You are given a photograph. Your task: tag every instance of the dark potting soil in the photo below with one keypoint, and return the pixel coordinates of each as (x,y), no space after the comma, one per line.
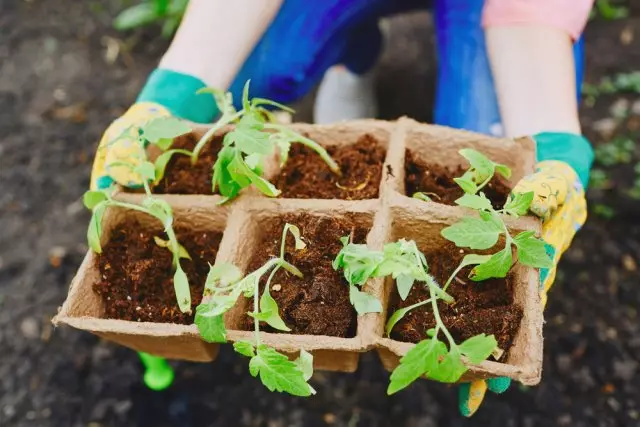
(306,175)
(318,303)
(437,182)
(480,307)
(137,274)
(181,177)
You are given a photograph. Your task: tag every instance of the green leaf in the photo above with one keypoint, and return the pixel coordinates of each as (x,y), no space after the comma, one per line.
(256,102)
(421,196)
(503,170)
(94,231)
(497,266)
(222,274)
(278,373)
(222,178)
(531,251)
(164,143)
(269,305)
(483,168)
(182,252)
(92,198)
(211,328)
(295,232)
(518,203)
(245,348)
(245,96)
(135,16)
(404,283)
(146,170)
(358,262)
(420,360)
(305,364)
(473,201)
(478,348)
(181,286)
(474,233)
(162,161)
(239,169)
(163,128)
(450,368)
(248,136)
(466,183)
(395,318)
(363,302)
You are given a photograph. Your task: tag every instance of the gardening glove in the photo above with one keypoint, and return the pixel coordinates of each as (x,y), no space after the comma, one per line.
(559,183)
(166,93)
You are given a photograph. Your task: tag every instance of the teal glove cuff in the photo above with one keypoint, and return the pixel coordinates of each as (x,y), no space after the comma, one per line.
(575,150)
(177,92)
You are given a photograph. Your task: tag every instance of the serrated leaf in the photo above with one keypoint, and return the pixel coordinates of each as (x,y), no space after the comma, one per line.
(531,251)
(163,128)
(269,305)
(211,328)
(305,364)
(450,368)
(181,287)
(420,360)
(474,233)
(249,139)
(92,198)
(478,348)
(518,203)
(357,261)
(474,201)
(404,283)
(497,266)
(363,302)
(295,232)
(94,231)
(245,348)
(278,373)
(182,252)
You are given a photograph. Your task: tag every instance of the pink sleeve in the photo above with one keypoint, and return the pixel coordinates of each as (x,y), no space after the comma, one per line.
(568,15)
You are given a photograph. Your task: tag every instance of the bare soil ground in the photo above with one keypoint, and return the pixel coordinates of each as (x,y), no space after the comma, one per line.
(65,74)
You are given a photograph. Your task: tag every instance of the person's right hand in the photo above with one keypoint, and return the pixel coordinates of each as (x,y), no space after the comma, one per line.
(119,144)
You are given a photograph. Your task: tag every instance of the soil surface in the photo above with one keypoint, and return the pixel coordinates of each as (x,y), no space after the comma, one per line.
(306,175)
(65,74)
(480,307)
(182,177)
(138,274)
(437,182)
(318,303)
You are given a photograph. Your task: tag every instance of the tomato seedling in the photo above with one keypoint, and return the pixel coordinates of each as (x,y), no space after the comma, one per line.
(245,147)
(223,287)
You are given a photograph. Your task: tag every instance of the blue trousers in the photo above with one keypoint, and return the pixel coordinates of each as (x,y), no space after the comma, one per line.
(307,37)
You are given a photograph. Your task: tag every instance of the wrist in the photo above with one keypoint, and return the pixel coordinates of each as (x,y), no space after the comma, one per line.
(572,149)
(177,93)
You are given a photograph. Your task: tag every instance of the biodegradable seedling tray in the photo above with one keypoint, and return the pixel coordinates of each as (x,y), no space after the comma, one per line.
(390,216)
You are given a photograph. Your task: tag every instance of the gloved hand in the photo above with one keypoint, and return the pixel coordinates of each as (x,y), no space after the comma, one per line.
(559,183)
(166,93)
(118,144)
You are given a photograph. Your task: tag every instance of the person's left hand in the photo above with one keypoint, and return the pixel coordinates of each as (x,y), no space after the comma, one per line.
(559,200)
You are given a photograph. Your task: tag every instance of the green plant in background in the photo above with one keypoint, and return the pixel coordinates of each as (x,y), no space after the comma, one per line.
(599,179)
(609,11)
(618,151)
(620,83)
(223,287)
(160,132)
(167,13)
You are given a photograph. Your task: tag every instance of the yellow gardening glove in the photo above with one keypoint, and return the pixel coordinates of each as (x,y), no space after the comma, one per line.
(559,200)
(119,144)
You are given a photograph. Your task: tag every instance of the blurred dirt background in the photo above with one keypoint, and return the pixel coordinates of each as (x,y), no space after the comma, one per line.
(65,74)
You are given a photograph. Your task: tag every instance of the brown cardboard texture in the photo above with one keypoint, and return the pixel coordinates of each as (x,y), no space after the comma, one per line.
(393,215)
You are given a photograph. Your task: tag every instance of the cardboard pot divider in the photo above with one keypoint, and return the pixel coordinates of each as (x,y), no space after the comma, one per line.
(391,216)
